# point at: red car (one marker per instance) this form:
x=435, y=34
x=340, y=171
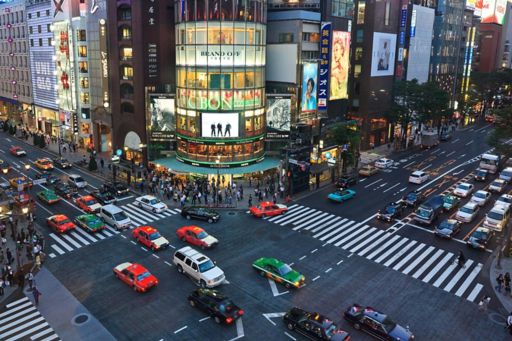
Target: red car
x=196, y=236
x=60, y=223
x=268, y=209
x=149, y=236
x=88, y=203
x=17, y=151
x=136, y=276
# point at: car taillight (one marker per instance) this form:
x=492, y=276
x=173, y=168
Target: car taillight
x=240, y=312
x=229, y=320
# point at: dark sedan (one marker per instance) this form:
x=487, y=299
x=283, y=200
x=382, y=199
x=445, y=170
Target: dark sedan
x=481, y=174
x=448, y=228
x=116, y=188
x=215, y=304
x=313, y=325
x=50, y=178
x=346, y=181
x=64, y=190
x=62, y=163
x=376, y=324
x=413, y=199
x=104, y=198
x=480, y=238
x=200, y=213
x=391, y=211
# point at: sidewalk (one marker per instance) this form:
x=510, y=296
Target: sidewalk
x=506, y=266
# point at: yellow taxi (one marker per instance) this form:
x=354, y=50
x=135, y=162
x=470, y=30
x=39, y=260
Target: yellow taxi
x=21, y=180
x=44, y=164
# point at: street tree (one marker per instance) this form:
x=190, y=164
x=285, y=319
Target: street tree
x=502, y=131
x=485, y=85
x=347, y=137
x=434, y=104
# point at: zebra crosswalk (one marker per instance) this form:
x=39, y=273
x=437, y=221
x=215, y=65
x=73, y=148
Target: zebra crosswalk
x=22, y=321
x=426, y=263
x=63, y=243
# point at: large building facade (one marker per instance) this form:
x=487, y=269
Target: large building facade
x=220, y=94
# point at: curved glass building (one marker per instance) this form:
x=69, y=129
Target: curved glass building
x=220, y=71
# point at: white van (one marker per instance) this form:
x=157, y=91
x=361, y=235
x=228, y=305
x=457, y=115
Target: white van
x=77, y=181
x=497, y=218
x=115, y=216
x=506, y=174
x=418, y=177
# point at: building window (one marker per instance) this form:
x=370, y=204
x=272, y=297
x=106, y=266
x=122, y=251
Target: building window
x=124, y=13
x=127, y=72
x=81, y=35
x=307, y=55
x=126, y=33
x=126, y=53
x=386, y=13
x=40, y=41
x=359, y=53
x=49, y=41
x=285, y=37
x=357, y=70
x=342, y=8
x=311, y=37
x=84, y=97
x=48, y=28
x=360, y=12
x=39, y=29
x=82, y=51
x=31, y=30
x=31, y=42
x=359, y=36
x=84, y=82
x=83, y=67
x=30, y=15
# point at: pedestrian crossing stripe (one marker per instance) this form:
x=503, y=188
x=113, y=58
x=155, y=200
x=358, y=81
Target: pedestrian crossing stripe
x=79, y=238
x=22, y=321
x=426, y=263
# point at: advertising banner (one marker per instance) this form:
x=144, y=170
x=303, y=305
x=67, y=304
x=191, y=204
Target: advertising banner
x=383, y=54
x=309, y=87
x=64, y=66
x=104, y=62
x=279, y=110
x=219, y=125
x=161, y=118
x=493, y=11
x=325, y=56
x=339, y=65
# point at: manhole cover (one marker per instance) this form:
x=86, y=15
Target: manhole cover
x=231, y=213
x=80, y=319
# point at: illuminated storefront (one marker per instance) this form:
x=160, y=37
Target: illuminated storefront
x=220, y=106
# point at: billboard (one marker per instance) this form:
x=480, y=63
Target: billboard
x=471, y=4
x=493, y=11
x=161, y=118
x=309, y=86
x=279, y=110
x=325, y=58
x=383, y=54
x=339, y=65
x=418, y=56
x=64, y=66
x=219, y=125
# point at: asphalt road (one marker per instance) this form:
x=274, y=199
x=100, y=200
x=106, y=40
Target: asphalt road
x=334, y=253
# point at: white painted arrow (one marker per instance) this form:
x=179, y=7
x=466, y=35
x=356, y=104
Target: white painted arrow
x=273, y=286
x=239, y=329
x=270, y=316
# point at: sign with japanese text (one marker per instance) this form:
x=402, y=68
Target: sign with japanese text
x=325, y=56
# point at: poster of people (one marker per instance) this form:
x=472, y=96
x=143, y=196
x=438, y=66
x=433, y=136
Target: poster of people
x=219, y=125
x=383, y=54
x=162, y=118
x=309, y=84
x=278, y=116
x=339, y=65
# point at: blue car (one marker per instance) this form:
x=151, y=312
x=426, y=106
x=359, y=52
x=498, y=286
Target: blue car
x=342, y=195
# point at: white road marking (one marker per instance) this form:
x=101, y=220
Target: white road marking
x=409, y=164
x=315, y=250
x=273, y=287
x=328, y=270
x=341, y=261
x=458, y=276
x=424, y=168
x=301, y=258
x=143, y=248
x=470, y=142
x=457, y=173
x=205, y=318
x=438, y=267
x=269, y=316
x=419, y=259
x=317, y=277
x=291, y=337
x=471, y=277
x=166, y=262
x=373, y=183
x=450, y=153
x=181, y=329
x=390, y=188
x=409, y=256
x=156, y=256
x=475, y=292
x=134, y=243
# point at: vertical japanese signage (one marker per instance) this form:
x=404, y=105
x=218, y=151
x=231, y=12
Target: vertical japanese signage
x=401, y=41
x=104, y=63
x=75, y=123
x=339, y=65
x=151, y=21
x=325, y=52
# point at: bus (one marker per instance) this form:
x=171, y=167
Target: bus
x=490, y=162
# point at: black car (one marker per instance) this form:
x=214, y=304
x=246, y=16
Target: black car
x=50, y=178
x=391, y=211
x=480, y=238
x=214, y=303
x=201, y=213
x=116, y=188
x=376, y=324
x=104, y=198
x=346, y=181
x=64, y=190
x=448, y=228
x=413, y=199
x=62, y=163
x=313, y=325
x=481, y=174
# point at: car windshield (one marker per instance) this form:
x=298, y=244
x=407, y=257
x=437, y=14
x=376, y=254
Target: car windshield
x=446, y=225
x=505, y=200
x=153, y=201
x=79, y=179
x=154, y=235
x=467, y=210
x=463, y=187
x=208, y=265
x=480, y=195
x=507, y=173
x=497, y=183
x=202, y=235
x=412, y=196
x=284, y=269
x=143, y=276
x=449, y=199
x=95, y=221
x=388, y=325
x=226, y=306
x=481, y=172
x=330, y=328
x=424, y=213
x=120, y=216
x=90, y=202
x=495, y=215
x=480, y=235
x=63, y=221
x=390, y=209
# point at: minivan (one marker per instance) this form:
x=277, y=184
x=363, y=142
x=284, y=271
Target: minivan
x=506, y=174
x=418, y=177
x=497, y=218
x=77, y=181
x=115, y=216
x=199, y=267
